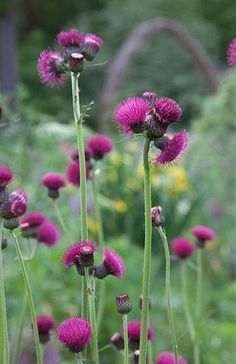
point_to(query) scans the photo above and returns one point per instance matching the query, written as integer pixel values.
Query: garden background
(37, 132)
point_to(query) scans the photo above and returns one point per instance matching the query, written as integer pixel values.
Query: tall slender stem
(150, 356)
(4, 343)
(83, 188)
(168, 293)
(198, 307)
(60, 218)
(30, 299)
(147, 253)
(97, 209)
(126, 342)
(185, 301)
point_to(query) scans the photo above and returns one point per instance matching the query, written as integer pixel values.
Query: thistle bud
(123, 304)
(157, 216)
(117, 340)
(136, 356)
(11, 224)
(76, 62)
(150, 98)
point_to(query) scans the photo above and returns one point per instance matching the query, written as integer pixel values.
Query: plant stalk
(126, 340)
(198, 307)
(61, 219)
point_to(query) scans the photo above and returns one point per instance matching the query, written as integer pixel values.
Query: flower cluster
(53, 66)
(152, 116)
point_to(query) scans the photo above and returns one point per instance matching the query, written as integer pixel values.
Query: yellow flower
(120, 206)
(92, 225)
(178, 181)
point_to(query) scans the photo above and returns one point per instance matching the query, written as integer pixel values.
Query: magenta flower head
(48, 233)
(45, 324)
(75, 155)
(182, 247)
(167, 110)
(203, 234)
(99, 145)
(15, 206)
(130, 115)
(74, 333)
(158, 218)
(30, 223)
(134, 333)
(1, 109)
(92, 45)
(117, 340)
(6, 177)
(71, 40)
(171, 149)
(76, 62)
(80, 254)
(53, 181)
(231, 53)
(73, 173)
(169, 358)
(112, 264)
(51, 68)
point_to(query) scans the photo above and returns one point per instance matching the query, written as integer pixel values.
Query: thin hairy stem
(168, 293)
(198, 307)
(98, 215)
(147, 253)
(126, 340)
(21, 324)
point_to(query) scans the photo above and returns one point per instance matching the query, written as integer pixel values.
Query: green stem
(185, 301)
(79, 359)
(147, 254)
(83, 193)
(126, 340)
(101, 302)
(168, 293)
(4, 343)
(17, 348)
(90, 281)
(60, 219)
(98, 215)
(150, 356)
(30, 299)
(108, 346)
(198, 307)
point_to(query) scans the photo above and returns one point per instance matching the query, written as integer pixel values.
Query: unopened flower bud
(101, 271)
(157, 216)
(117, 340)
(150, 98)
(136, 356)
(11, 224)
(154, 128)
(76, 62)
(123, 304)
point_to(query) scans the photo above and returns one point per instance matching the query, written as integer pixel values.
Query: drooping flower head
(30, 223)
(71, 40)
(71, 255)
(92, 45)
(169, 358)
(168, 111)
(231, 53)
(73, 173)
(51, 68)
(74, 333)
(48, 233)
(136, 356)
(134, 333)
(203, 234)
(182, 247)
(15, 205)
(80, 254)
(6, 176)
(53, 181)
(117, 340)
(130, 115)
(45, 324)
(158, 218)
(112, 264)
(171, 149)
(87, 151)
(99, 145)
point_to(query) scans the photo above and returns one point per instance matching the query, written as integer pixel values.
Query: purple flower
(150, 98)
(130, 115)
(45, 324)
(70, 39)
(92, 45)
(30, 223)
(203, 233)
(71, 255)
(113, 263)
(87, 151)
(50, 68)
(15, 206)
(169, 358)
(134, 331)
(171, 149)
(123, 304)
(48, 234)
(99, 145)
(182, 247)
(79, 253)
(117, 340)
(53, 181)
(231, 53)
(6, 176)
(168, 110)
(158, 218)
(73, 173)
(74, 333)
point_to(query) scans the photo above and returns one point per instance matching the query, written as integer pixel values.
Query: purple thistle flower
(76, 62)
(158, 218)
(30, 223)
(71, 255)
(45, 324)
(168, 110)
(74, 333)
(182, 247)
(53, 181)
(73, 173)
(48, 233)
(203, 233)
(75, 155)
(6, 176)
(130, 115)
(99, 145)
(172, 148)
(50, 68)
(231, 53)
(134, 331)
(169, 358)
(78, 253)
(113, 263)
(70, 39)
(92, 45)
(15, 205)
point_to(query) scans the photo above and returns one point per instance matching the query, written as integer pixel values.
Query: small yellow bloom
(120, 206)
(92, 225)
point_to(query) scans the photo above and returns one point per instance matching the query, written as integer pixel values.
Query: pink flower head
(71, 255)
(130, 115)
(169, 358)
(15, 206)
(99, 145)
(203, 233)
(231, 53)
(172, 148)
(74, 333)
(134, 331)
(70, 39)
(6, 176)
(117, 340)
(50, 68)
(168, 110)
(53, 181)
(87, 151)
(80, 253)
(113, 263)
(45, 324)
(30, 223)
(73, 173)
(91, 46)
(158, 218)
(182, 247)
(48, 234)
